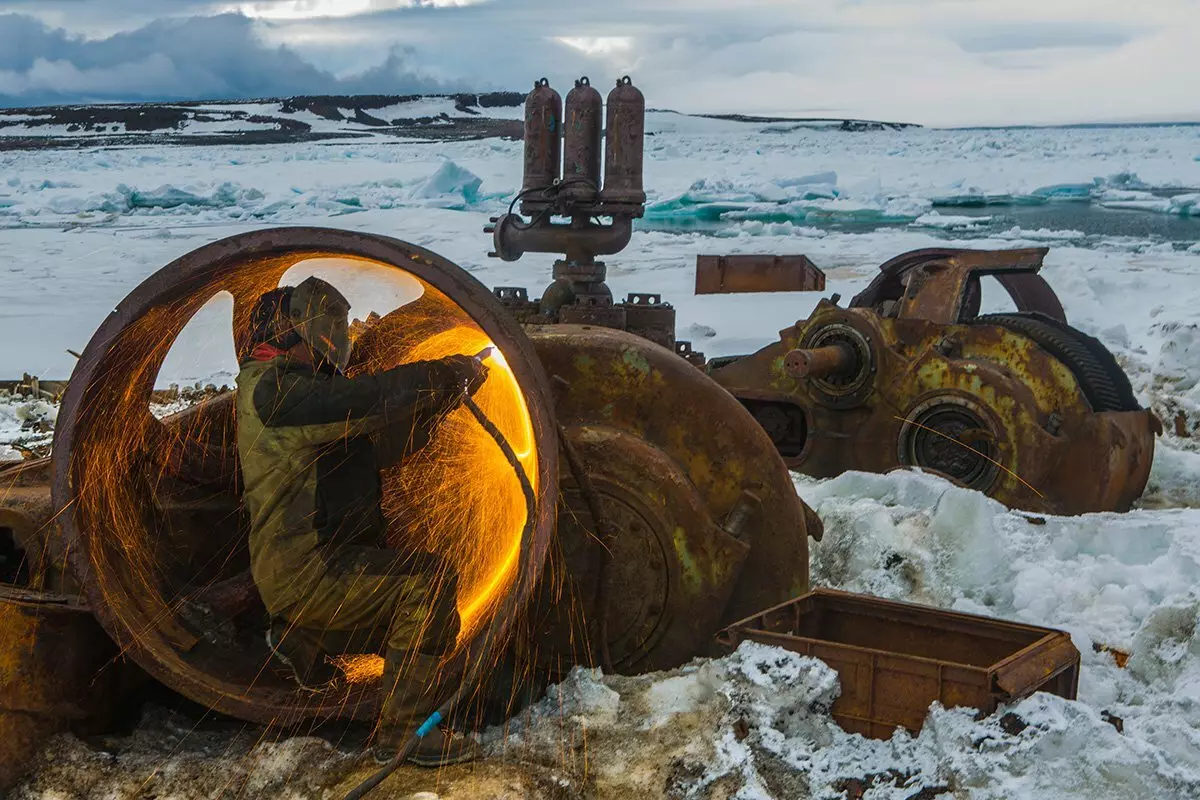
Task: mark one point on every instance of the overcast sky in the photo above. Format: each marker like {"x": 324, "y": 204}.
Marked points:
{"x": 938, "y": 62}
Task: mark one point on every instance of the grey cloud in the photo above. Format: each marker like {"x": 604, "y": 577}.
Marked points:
{"x": 1044, "y": 35}
{"x": 918, "y": 60}
{"x": 213, "y": 57}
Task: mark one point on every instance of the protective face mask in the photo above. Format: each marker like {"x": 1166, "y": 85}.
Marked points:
{"x": 320, "y": 313}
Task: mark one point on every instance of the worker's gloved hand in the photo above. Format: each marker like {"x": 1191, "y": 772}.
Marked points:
{"x": 465, "y": 373}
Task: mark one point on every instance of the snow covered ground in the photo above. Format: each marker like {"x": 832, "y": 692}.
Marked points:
{"x": 80, "y": 228}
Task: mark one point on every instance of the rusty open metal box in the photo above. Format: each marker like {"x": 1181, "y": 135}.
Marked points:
{"x": 895, "y": 659}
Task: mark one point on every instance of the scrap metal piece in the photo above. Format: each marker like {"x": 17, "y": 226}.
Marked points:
{"x": 757, "y": 273}
{"x": 581, "y": 146}
{"x": 626, "y": 127}
{"x": 831, "y": 360}
{"x": 896, "y": 659}
{"x": 543, "y": 146}
{"x": 58, "y": 671}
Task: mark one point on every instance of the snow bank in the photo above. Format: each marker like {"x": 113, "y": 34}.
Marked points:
{"x": 25, "y": 424}
{"x": 756, "y": 725}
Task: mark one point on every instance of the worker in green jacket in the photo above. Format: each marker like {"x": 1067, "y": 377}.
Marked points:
{"x": 310, "y": 467}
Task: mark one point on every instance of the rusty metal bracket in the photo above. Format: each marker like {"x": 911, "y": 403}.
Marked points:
{"x": 739, "y": 274}
{"x": 939, "y": 290}
{"x": 1028, "y": 290}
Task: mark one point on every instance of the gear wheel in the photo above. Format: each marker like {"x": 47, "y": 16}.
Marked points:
{"x": 1100, "y": 377}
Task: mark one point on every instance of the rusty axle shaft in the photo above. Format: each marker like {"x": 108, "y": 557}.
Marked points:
{"x": 821, "y": 362}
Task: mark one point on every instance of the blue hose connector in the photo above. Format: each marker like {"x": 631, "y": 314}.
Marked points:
{"x": 429, "y": 724}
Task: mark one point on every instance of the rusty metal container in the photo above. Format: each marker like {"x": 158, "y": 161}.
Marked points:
{"x": 57, "y": 673}
{"x": 626, "y": 127}
{"x": 736, "y": 274}
{"x": 895, "y": 659}
{"x": 581, "y": 148}
{"x": 543, "y": 145}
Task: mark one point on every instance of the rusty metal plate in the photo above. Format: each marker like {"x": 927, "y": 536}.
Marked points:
{"x": 757, "y": 273}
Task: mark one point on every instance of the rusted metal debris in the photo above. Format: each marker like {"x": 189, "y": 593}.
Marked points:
{"x": 58, "y": 672}
{"x": 895, "y": 659}
{"x": 1015, "y": 270}
{"x": 697, "y": 498}
{"x": 1019, "y": 406}
{"x": 757, "y": 273}
{"x": 562, "y": 180}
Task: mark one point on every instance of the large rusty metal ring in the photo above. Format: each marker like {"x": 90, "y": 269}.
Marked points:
{"x": 100, "y": 469}
{"x": 954, "y": 436}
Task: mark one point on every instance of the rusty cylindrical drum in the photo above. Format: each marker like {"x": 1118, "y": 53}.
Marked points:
{"x": 543, "y": 145}
{"x": 57, "y": 672}
{"x": 700, "y": 519}
{"x": 581, "y": 148}
{"x": 625, "y": 131}
{"x": 151, "y": 510}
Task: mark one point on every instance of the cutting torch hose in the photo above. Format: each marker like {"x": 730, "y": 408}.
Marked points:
{"x": 446, "y": 708}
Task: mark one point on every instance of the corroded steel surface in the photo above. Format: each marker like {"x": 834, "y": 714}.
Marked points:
{"x": 896, "y": 659}
{"x": 708, "y": 524}
{"x": 1017, "y": 273}
{"x": 757, "y": 273}
{"x": 543, "y": 144}
{"x": 582, "y": 131}
{"x": 626, "y": 126}
{"x": 136, "y": 587}
{"x": 953, "y": 399}
{"x": 26, "y": 514}
{"x": 57, "y": 672}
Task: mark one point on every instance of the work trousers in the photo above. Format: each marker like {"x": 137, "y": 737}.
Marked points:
{"x": 401, "y": 606}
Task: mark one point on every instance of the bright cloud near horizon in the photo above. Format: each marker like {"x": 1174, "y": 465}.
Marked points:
{"x": 936, "y": 62}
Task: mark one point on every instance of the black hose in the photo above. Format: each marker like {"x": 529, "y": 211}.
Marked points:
{"x": 446, "y": 708}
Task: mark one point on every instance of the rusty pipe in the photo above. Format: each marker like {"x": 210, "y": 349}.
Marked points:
{"x": 513, "y": 237}
{"x": 821, "y": 362}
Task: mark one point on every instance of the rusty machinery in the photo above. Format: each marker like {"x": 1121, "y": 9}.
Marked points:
{"x": 663, "y": 510}
{"x": 58, "y": 669}
{"x": 562, "y": 179}
{"x": 1018, "y": 405}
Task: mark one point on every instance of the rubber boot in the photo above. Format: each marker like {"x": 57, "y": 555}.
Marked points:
{"x": 411, "y": 681}
{"x": 300, "y": 651}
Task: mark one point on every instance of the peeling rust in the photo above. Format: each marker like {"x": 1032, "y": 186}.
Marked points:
{"x": 706, "y": 525}
{"x": 896, "y": 659}
{"x": 907, "y": 376}
{"x": 58, "y": 672}
{"x": 757, "y": 273}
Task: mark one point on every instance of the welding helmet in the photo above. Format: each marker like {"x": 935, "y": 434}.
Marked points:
{"x": 320, "y": 316}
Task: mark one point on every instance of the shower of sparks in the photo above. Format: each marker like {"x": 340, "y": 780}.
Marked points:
{"x": 157, "y": 534}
